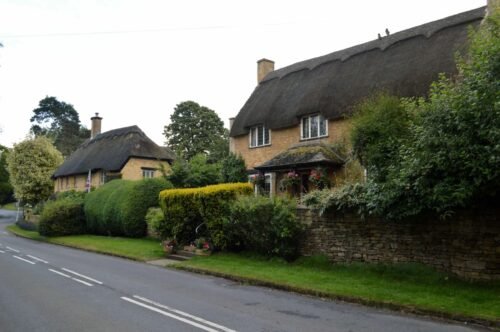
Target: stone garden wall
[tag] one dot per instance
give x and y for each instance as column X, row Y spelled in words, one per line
column 466, row 244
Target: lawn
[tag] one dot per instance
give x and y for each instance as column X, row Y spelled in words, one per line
column 406, row 286
column 143, row 249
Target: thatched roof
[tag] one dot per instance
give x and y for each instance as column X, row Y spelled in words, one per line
column 404, row 64
column 111, row 150
column 304, row 154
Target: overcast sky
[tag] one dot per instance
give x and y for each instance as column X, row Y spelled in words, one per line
column 133, row 61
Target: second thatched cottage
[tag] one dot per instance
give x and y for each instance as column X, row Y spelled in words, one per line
column 290, row 124
column 125, row 153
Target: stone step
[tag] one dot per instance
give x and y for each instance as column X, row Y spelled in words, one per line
column 186, row 253
column 177, row 257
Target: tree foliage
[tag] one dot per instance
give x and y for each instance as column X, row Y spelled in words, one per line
column 380, row 126
column 197, row 172
column 233, row 169
column 6, row 190
column 31, row 164
column 196, row 129
column 60, row 122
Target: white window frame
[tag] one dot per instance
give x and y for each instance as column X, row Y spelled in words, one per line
column 269, row 179
column 148, row 173
column 255, row 143
column 103, row 177
column 308, row 119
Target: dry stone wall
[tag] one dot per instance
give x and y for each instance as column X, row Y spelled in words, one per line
column 466, row 244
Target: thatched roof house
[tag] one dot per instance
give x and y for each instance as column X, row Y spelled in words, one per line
column 125, row 152
column 403, row 63
column 307, row 102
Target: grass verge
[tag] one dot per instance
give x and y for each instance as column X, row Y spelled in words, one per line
column 9, row 206
column 407, row 287
column 143, row 249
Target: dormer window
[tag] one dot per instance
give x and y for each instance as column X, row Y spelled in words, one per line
column 259, row 136
column 313, row 126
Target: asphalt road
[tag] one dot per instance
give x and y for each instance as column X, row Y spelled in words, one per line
column 52, row 288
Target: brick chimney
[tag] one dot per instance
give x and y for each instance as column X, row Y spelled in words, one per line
column 264, row 67
column 232, row 147
column 96, row 125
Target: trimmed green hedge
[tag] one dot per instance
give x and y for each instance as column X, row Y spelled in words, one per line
column 185, row 209
column 119, row 207
column 266, row 226
column 62, row 217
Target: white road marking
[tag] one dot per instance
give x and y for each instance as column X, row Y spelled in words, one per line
column 81, row 275
column 24, row 260
column 60, row 273
column 38, row 259
column 5, row 233
column 82, row 282
column 2, row 252
column 14, row 250
column 185, row 314
column 164, row 313
column 70, row 277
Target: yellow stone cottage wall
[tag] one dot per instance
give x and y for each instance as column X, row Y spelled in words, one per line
column 133, row 168
column 131, row 171
column 282, row 139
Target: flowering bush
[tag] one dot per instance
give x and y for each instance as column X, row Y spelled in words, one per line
column 319, row 178
column 169, row 246
column 202, row 243
column 289, row 179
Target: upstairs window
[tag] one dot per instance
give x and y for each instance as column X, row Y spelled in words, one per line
column 259, row 136
column 313, row 126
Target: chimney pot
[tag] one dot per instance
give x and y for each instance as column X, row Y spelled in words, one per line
column 264, row 67
column 96, row 125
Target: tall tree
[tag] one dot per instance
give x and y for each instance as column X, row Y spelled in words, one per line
column 195, row 129
column 6, row 190
column 60, row 122
column 31, row 164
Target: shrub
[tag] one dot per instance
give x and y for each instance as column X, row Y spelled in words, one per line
column 233, row 169
column 380, row 125
column 154, row 218
column 120, row 206
column 215, row 210
column 351, row 197
column 186, row 209
column 198, row 172
column 182, row 214
column 71, row 194
column 266, row 226
column 62, row 217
